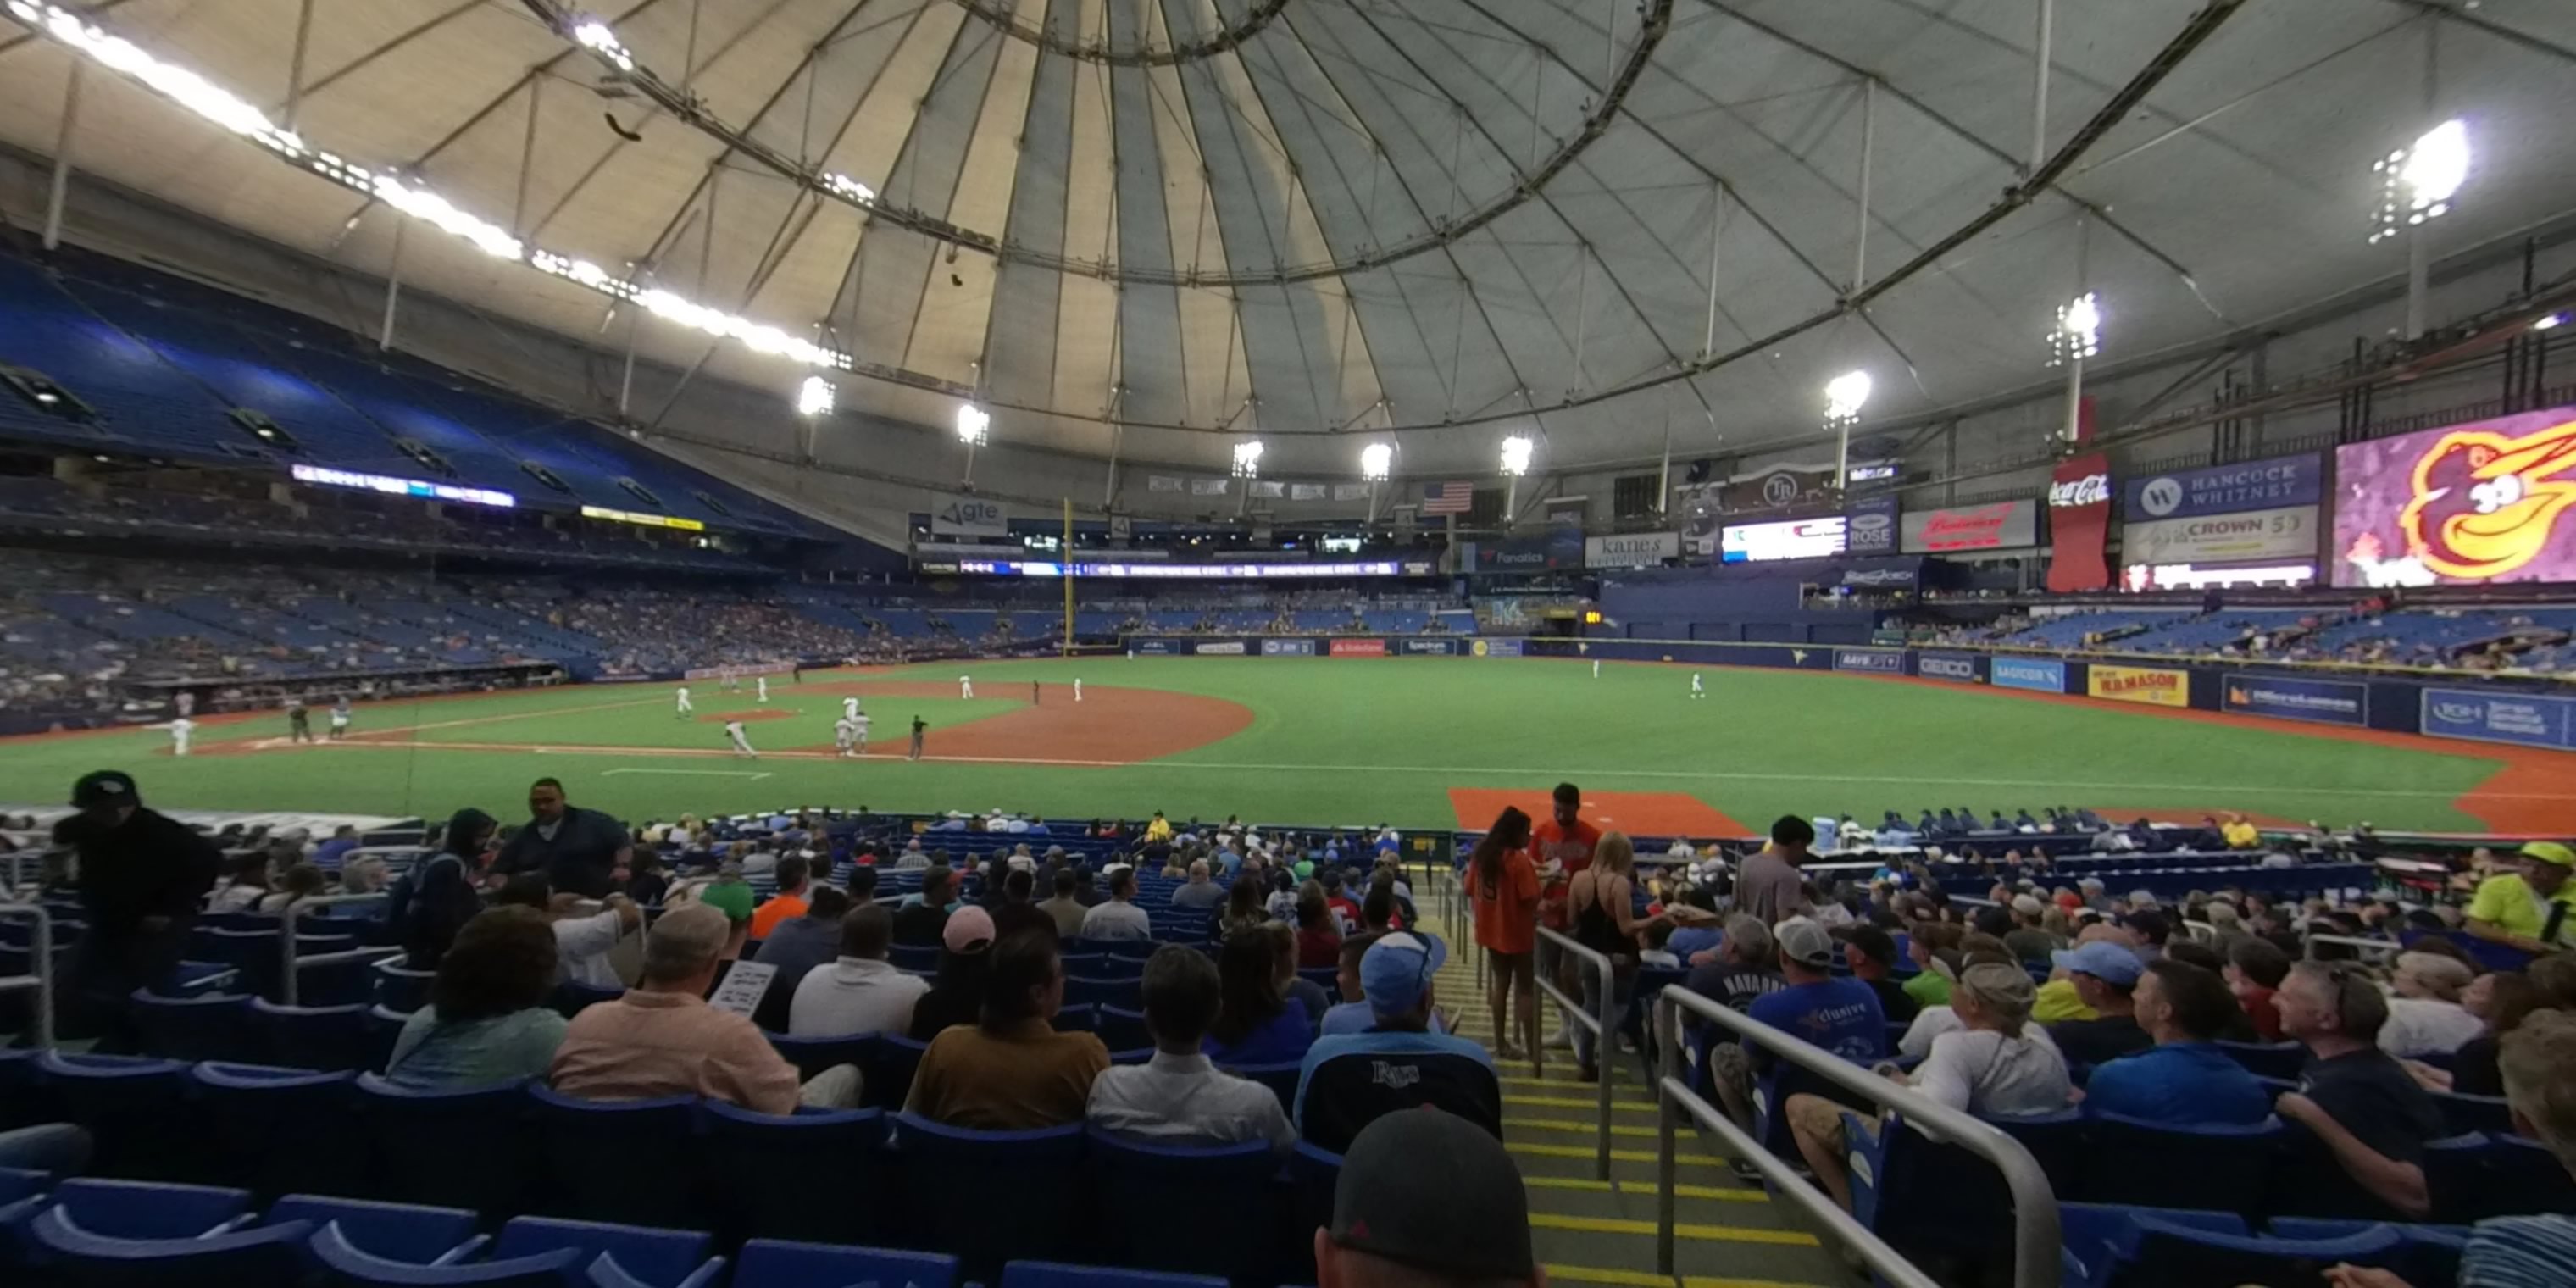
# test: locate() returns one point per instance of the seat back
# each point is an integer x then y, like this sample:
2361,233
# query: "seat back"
212,1027
345,1263
778,1263
1225,1189
1280,1078
624,1160
259,1127
314,1037
760,1165
2465,1114
662,1258
401,989
2173,1255
131,1106
1056,1274
944,1167
1121,1029
2268,1059
1349,1091
268,1254
148,1209
394,1231
467,1148
2160,1165
813,1055
886,1080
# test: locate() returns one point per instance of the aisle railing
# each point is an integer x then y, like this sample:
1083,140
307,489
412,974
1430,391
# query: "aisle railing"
1599,1019
287,984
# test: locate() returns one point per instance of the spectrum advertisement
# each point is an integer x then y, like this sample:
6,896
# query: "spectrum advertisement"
2038,675
2489,501
2327,701
2152,685
2275,484
2525,720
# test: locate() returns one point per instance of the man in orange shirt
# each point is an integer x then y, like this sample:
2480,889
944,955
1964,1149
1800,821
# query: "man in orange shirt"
788,903
1561,845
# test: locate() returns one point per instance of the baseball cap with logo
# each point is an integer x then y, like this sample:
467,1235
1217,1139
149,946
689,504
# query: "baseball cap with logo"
1397,968
2545,851
105,787
1805,942
1436,1193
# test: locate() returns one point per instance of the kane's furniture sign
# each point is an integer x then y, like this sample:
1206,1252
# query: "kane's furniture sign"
1640,550
2005,525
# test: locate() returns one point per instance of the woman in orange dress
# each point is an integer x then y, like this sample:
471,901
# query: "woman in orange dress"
1502,887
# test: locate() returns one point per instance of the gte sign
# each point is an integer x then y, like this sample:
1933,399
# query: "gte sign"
2092,489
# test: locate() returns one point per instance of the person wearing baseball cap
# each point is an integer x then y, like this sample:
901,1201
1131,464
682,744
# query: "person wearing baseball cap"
1348,1080
2104,973
2530,909
956,994
1840,1015
142,875
1427,1197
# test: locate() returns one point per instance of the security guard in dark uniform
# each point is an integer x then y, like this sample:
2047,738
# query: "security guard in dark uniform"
142,878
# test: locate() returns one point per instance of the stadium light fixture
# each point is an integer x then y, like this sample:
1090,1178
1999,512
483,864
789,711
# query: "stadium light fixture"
974,425
2418,181
2550,323
1377,461
1247,459
814,397
1516,455
213,103
1845,395
2078,334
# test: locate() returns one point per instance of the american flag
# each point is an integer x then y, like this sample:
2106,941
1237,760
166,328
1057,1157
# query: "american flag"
1447,498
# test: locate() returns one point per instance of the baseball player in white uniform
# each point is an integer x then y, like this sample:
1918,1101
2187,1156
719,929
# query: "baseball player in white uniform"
965,687
179,731
1696,691
1077,689
340,719
741,741
859,730
849,708
763,682
1596,668
845,732
685,709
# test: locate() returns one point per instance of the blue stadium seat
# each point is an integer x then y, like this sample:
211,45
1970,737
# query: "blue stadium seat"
1073,1019
2170,1254
314,1037
18,1182
1280,1078
131,1106
813,1055
346,1266
403,1232
2268,1059
657,1258
1916,1192
913,957
1123,993
761,1163
1053,1274
777,1263
278,1130
2480,1176
1122,1030
625,1160
261,1255
2430,1253
466,1148
570,997
2466,1114
1226,1191
151,1210
2159,1165
887,1080
384,1030
941,1163
401,989
212,1027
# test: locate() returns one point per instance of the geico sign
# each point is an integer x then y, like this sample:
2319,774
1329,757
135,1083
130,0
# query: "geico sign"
2092,489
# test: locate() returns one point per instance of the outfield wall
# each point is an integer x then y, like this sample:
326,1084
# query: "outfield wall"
2506,712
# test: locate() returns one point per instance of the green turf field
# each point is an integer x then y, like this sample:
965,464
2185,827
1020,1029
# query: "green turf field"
1338,741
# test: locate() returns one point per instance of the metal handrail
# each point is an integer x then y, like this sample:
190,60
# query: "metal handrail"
2036,1234
286,982
40,948
1605,1028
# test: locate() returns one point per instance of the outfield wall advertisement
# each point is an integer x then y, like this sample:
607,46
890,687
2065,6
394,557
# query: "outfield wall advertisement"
1356,648
1220,648
2469,505
1880,661
1961,667
1287,648
1495,648
2037,674
2527,720
2153,685
1430,647
2327,701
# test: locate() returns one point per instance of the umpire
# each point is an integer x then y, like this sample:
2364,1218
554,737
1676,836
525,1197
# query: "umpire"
142,876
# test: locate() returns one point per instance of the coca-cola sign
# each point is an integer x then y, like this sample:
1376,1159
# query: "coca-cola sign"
2005,525
2092,489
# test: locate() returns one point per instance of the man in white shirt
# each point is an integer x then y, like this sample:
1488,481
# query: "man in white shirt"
684,709
583,941
1119,918
763,682
860,993
850,708
2424,1015
1179,1097
180,729
845,735
965,687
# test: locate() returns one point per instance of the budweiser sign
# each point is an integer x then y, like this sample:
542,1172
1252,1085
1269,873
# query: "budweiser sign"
2005,525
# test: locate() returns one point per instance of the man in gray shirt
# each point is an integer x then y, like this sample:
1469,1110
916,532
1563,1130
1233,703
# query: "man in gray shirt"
1119,918
1768,886
1198,891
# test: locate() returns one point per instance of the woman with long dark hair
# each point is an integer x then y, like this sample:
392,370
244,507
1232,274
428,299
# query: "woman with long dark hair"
1256,1023
1502,887
1243,911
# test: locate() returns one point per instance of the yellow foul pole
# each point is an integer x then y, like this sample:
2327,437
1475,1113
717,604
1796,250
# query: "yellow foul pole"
1067,555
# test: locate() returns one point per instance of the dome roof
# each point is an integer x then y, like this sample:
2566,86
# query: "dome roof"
1191,220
